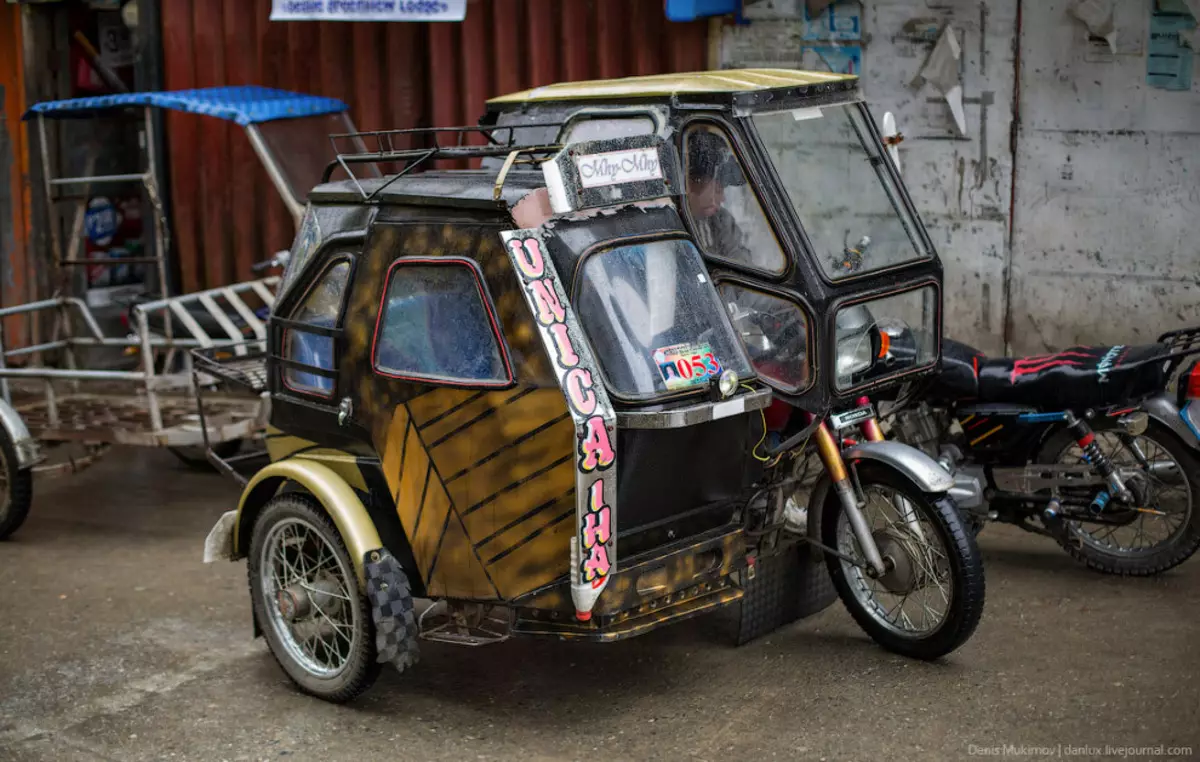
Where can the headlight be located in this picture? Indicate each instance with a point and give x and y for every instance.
(728, 383)
(854, 355)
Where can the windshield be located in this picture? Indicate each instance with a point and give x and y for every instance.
(655, 321)
(835, 178)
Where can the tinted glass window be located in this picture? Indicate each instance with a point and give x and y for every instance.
(886, 337)
(774, 331)
(436, 325)
(654, 319)
(836, 177)
(727, 219)
(607, 128)
(320, 308)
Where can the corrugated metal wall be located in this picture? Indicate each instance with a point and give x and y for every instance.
(226, 215)
(15, 282)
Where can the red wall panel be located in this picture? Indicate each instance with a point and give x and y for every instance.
(226, 214)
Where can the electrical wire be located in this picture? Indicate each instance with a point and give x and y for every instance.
(771, 462)
(763, 415)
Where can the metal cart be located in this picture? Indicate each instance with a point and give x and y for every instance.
(137, 387)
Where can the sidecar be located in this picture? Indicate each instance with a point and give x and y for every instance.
(516, 390)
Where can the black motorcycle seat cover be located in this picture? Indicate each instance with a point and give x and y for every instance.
(1073, 378)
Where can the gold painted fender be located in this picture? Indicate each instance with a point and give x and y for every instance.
(335, 495)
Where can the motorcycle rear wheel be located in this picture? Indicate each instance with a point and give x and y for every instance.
(1103, 547)
(930, 547)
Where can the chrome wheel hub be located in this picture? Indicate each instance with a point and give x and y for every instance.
(913, 597)
(308, 598)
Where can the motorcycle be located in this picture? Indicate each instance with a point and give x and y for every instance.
(1085, 446)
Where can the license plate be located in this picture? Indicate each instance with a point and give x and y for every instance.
(845, 420)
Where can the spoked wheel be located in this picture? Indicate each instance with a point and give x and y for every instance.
(16, 488)
(1163, 529)
(931, 599)
(307, 600)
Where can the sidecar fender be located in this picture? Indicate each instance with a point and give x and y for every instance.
(922, 470)
(337, 498)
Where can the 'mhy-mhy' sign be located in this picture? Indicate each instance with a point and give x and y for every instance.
(368, 10)
(618, 167)
(613, 171)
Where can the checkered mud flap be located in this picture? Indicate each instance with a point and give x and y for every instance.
(392, 609)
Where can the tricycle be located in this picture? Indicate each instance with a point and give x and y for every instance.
(564, 394)
(96, 387)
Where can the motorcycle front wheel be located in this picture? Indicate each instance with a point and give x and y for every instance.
(931, 599)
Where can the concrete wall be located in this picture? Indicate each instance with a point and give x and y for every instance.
(1107, 169)
(1105, 244)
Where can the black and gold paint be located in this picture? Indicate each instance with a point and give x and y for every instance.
(481, 480)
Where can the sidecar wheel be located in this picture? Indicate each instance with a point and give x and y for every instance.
(16, 488)
(1146, 544)
(307, 600)
(930, 603)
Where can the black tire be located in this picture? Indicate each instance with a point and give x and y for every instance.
(974, 525)
(16, 495)
(1181, 545)
(964, 566)
(195, 457)
(361, 668)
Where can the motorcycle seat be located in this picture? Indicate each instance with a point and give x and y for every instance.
(1076, 377)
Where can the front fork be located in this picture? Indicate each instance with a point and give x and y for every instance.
(831, 457)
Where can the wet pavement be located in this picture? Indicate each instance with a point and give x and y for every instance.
(116, 642)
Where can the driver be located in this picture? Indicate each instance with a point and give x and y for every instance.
(710, 168)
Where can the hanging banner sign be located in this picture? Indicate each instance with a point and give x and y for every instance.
(368, 10)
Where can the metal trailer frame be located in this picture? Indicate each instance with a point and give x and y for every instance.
(161, 395)
(152, 405)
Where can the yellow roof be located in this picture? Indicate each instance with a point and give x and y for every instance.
(721, 81)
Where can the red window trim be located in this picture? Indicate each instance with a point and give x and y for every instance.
(473, 268)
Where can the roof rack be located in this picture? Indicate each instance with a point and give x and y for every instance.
(380, 145)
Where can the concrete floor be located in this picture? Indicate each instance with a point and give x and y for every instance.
(116, 642)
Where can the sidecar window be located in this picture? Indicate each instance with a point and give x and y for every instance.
(438, 325)
(774, 331)
(607, 127)
(654, 319)
(727, 219)
(319, 308)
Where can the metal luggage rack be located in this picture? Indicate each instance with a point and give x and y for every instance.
(1184, 341)
(230, 371)
(1179, 345)
(380, 145)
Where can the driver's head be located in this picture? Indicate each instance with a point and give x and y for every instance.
(706, 160)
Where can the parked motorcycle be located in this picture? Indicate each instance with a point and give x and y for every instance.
(1085, 446)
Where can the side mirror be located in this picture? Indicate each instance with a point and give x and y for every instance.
(891, 139)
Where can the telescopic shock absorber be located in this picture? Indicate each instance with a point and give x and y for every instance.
(1086, 439)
